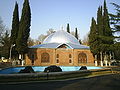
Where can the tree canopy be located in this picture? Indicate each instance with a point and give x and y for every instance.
(101, 37)
(4, 40)
(115, 21)
(5, 45)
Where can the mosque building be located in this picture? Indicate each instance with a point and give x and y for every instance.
(61, 49)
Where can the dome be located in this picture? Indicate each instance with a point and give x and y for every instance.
(61, 37)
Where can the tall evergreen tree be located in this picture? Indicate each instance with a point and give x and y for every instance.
(15, 29)
(100, 21)
(104, 30)
(107, 37)
(15, 25)
(99, 28)
(24, 28)
(68, 28)
(100, 37)
(76, 33)
(93, 38)
(106, 22)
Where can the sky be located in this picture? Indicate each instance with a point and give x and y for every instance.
(47, 14)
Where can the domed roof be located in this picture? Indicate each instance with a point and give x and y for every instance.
(61, 37)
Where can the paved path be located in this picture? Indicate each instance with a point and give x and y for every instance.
(107, 82)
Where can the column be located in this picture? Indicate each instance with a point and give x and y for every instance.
(106, 62)
(101, 62)
(96, 60)
(96, 63)
(109, 63)
(105, 59)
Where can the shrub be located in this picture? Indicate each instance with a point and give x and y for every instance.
(83, 68)
(28, 69)
(53, 68)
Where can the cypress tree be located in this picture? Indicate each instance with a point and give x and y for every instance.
(68, 28)
(15, 29)
(99, 27)
(15, 25)
(93, 38)
(104, 30)
(106, 22)
(24, 29)
(100, 37)
(76, 33)
(107, 37)
(100, 21)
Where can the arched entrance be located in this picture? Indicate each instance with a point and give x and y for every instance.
(82, 58)
(45, 58)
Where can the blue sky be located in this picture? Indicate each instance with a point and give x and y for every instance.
(54, 14)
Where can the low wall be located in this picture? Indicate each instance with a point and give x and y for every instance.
(51, 76)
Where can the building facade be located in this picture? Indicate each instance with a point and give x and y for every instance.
(61, 49)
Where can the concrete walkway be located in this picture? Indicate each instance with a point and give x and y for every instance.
(106, 82)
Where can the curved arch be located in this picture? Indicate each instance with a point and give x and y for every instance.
(64, 46)
(82, 58)
(45, 57)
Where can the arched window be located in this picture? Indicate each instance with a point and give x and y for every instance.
(57, 55)
(45, 58)
(70, 56)
(57, 61)
(82, 58)
(70, 61)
